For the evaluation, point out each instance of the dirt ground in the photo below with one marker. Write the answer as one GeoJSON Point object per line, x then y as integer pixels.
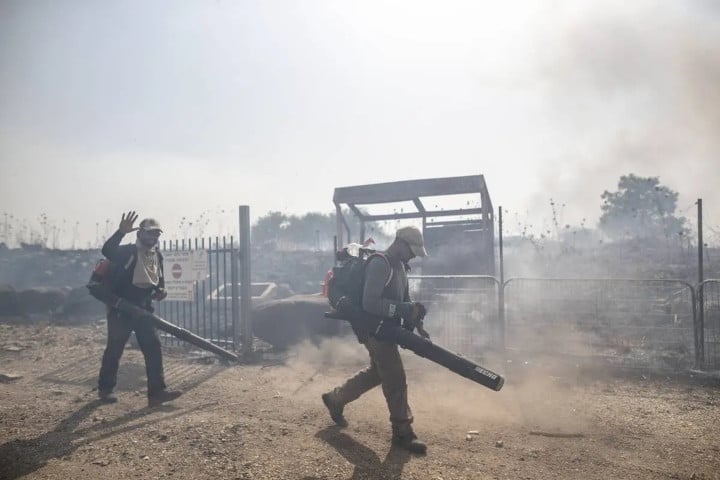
{"type": "Point", "coordinates": [266, 421]}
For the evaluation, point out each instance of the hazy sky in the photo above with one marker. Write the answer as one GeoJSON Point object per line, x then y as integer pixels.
{"type": "Point", "coordinates": [184, 108]}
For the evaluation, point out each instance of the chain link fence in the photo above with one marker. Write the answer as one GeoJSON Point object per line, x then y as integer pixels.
{"type": "Point", "coordinates": [635, 323]}
{"type": "Point", "coordinates": [709, 293]}
{"type": "Point", "coordinates": [463, 314]}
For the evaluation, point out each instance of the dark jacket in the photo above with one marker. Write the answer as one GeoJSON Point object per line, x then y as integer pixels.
{"type": "Point", "coordinates": [124, 259]}
{"type": "Point", "coordinates": [386, 284]}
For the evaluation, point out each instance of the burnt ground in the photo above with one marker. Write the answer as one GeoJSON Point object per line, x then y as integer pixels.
{"type": "Point", "coordinates": [266, 420]}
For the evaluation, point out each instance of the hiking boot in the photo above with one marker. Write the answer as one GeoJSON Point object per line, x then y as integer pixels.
{"type": "Point", "coordinates": [336, 411]}
{"type": "Point", "coordinates": [162, 396]}
{"type": "Point", "coordinates": [106, 396]}
{"type": "Point", "coordinates": [410, 443]}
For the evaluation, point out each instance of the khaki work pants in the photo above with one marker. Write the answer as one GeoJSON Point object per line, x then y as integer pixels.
{"type": "Point", "coordinates": [385, 369]}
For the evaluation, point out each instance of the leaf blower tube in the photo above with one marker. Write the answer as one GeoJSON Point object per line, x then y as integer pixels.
{"type": "Point", "coordinates": [435, 353]}
{"type": "Point", "coordinates": [101, 292]}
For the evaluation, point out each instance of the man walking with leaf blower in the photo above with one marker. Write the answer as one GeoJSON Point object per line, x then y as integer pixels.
{"type": "Point", "coordinates": [136, 275]}
{"type": "Point", "coordinates": [386, 302]}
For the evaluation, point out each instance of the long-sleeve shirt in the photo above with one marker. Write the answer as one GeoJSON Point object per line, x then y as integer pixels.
{"type": "Point", "coordinates": [386, 283]}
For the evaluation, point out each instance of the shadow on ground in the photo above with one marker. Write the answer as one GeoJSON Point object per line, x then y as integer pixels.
{"type": "Point", "coordinates": [366, 461]}
{"type": "Point", "coordinates": [22, 457]}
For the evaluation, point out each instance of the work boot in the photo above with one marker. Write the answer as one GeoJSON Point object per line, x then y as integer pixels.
{"type": "Point", "coordinates": [106, 396]}
{"type": "Point", "coordinates": [410, 443]}
{"type": "Point", "coordinates": [336, 411]}
{"type": "Point", "coordinates": [162, 396]}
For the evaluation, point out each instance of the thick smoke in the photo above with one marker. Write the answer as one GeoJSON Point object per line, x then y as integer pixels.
{"type": "Point", "coordinates": [635, 87]}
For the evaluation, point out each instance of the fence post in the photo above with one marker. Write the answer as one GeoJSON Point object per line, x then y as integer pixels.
{"type": "Point", "coordinates": [699, 329]}
{"type": "Point", "coordinates": [235, 293]}
{"type": "Point", "coordinates": [245, 279]}
{"type": "Point", "coordinates": [701, 278]}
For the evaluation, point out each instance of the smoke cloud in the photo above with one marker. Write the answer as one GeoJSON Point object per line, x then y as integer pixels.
{"type": "Point", "coordinates": [636, 87]}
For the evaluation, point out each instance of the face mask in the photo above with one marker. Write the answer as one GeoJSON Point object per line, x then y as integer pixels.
{"type": "Point", "coordinates": [148, 239]}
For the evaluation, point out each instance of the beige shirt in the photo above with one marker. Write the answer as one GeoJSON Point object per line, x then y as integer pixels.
{"type": "Point", "coordinates": [147, 268]}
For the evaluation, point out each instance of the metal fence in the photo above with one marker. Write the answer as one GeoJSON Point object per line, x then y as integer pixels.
{"type": "Point", "coordinates": [463, 313]}
{"type": "Point", "coordinates": [709, 295]}
{"type": "Point", "coordinates": [212, 313]}
{"type": "Point", "coordinates": [220, 307]}
{"type": "Point", "coordinates": [627, 322]}
{"type": "Point", "coordinates": [637, 323]}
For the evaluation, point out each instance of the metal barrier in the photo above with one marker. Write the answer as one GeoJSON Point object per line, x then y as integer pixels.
{"type": "Point", "coordinates": [650, 323]}
{"type": "Point", "coordinates": [462, 310]}
{"type": "Point", "coordinates": [211, 313]}
{"type": "Point", "coordinates": [709, 296]}
{"type": "Point", "coordinates": [627, 322]}
{"type": "Point", "coordinates": [219, 308]}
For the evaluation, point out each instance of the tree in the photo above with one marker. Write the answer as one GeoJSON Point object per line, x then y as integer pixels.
{"type": "Point", "coordinates": [268, 228]}
{"type": "Point", "coordinates": [641, 208]}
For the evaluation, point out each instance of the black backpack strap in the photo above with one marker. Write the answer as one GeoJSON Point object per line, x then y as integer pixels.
{"type": "Point", "coordinates": [161, 270]}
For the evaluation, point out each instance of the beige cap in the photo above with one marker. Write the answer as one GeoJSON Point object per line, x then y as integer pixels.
{"type": "Point", "coordinates": [150, 224]}
{"type": "Point", "coordinates": [413, 236]}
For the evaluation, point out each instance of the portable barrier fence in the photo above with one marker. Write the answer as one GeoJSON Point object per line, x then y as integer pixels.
{"type": "Point", "coordinates": [463, 314]}
{"type": "Point", "coordinates": [709, 294]}
{"type": "Point", "coordinates": [634, 323]}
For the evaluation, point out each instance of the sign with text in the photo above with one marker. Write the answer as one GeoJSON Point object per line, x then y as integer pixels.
{"type": "Point", "coordinates": [183, 269]}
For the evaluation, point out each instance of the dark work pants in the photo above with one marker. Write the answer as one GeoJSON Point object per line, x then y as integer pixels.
{"type": "Point", "coordinates": [119, 329]}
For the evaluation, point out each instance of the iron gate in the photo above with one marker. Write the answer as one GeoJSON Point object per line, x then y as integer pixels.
{"type": "Point", "coordinates": [220, 310]}
{"type": "Point", "coordinates": [212, 313]}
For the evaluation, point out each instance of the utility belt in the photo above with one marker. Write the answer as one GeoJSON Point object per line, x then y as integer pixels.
{"type": "Point", "coordinates": [365, 324]}
{"type": "Point", "coordinates": [381, 328]}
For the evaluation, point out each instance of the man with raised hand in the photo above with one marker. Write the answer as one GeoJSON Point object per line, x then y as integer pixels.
{"type": "Point", "coordinates": [136, 276]}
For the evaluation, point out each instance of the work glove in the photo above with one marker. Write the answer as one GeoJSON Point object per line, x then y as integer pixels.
{"type": "Point", "coordinates": [414, 318]}
{"type": "Point", "coordinates": [422, 332]}
{"type": "Point", "coordinates": [159, 294]}
{"type": "Point", "coordinates": [418, 313]}
{"type": "Point", "coordinates": [419, 324]}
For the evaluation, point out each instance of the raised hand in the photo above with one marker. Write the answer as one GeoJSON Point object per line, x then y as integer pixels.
{"type": "Point", "coordinates": [127, 222]}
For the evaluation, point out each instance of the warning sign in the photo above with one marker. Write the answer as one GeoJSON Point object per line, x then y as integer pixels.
{"type": "Point", "coordinates": [187, 267]}
{"type": "Point", "coordinates": [176, 271]}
